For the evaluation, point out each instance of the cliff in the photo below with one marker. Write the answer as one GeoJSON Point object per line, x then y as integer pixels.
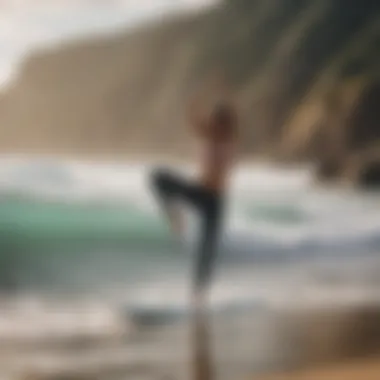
{"type": "Point", "coordinates": [306, 76]}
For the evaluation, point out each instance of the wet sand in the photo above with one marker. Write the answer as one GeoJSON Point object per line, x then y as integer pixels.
{"type": "Point", "coordinates": [275, 340]}
{"type": "Point", "coordinates": [368, 369]}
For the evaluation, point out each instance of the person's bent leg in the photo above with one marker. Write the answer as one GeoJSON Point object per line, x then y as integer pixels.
{"type": "Point", "coordinates": [166, 187]}
{"type": "Point", "coordinates": [169, 188]}
{"type": "Point", "coordinates": [169, 185]}
{"type": "Point", "coordinates": [163, 183]}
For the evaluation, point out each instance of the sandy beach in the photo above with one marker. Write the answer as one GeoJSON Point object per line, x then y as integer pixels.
{"type": "Point", "coordinates": [368, 369]}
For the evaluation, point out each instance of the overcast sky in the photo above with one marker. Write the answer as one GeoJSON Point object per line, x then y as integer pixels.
{"type": "Point", "coordinates": [25, 24]}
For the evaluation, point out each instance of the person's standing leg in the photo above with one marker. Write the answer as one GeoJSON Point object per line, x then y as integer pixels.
{"type": "Point", "coordinates": [202, 347]}
{"type": "Point", "coordinates": [206, 249]}
{"type": "Point", "coordinates": [201, 342]}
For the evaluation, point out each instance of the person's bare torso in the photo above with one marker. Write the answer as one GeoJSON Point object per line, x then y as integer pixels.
{"type": "Point", "coordinates": [216, 133]}
{"type": "Point", "coordinates": [216, 161]}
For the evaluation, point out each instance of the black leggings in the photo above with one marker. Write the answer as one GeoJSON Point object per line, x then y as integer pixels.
{"type": "Point", "coordinates": [170, 187]}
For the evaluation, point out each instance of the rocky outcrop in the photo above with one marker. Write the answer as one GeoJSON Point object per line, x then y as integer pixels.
{"type": "Point", "coordinates": [355, 153]}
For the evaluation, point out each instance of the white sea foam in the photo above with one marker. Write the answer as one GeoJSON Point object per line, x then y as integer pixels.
{"type": "Point", "coordinates": [269, 208]}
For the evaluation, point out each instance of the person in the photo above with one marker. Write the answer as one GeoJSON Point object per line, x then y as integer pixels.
{"type": "Point", "coordinates": [216, 134]}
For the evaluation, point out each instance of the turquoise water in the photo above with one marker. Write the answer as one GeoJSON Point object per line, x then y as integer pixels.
{"type": "Point", "coordinates": [75, 245]}
{"type": "Point", "coordinates": [49, 221]}
{"type": "Point", "coordinates": [100, 223]}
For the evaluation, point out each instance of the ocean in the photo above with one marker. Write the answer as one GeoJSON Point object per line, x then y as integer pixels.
{"type": "Point", "coordinates": [92, 280]}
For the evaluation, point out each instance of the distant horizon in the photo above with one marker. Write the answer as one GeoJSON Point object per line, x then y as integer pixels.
{"type": "Point", "coordinates": [25, 25]}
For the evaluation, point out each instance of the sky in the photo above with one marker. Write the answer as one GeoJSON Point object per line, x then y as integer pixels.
{"type": "Point", "coordinates": [27, 24]}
